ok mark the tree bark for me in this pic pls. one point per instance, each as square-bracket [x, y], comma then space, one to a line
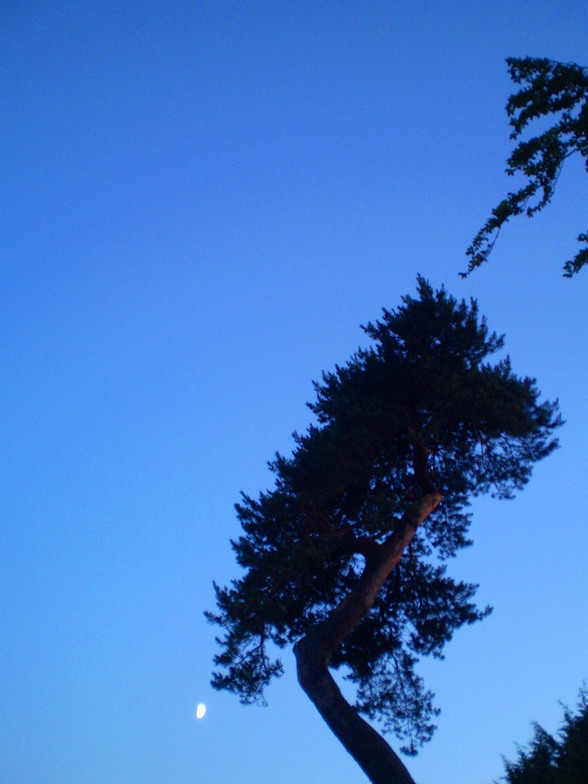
[314, 651]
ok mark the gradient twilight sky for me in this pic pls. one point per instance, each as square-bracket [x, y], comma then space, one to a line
[201, 202]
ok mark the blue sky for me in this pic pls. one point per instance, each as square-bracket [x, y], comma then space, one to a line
[201, 202]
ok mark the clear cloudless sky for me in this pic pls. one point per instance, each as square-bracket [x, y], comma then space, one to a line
[200, 203]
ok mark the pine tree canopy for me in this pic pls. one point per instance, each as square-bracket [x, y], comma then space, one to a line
[549, 90]
[422, 410]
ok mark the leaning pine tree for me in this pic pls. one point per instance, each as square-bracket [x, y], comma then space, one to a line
[344, 557]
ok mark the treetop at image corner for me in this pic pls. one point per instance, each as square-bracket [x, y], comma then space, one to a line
[555, 759]
[549, 89]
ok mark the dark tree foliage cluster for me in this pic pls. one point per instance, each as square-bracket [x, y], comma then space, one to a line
[549, 90]
[561, 759]
[345, 557]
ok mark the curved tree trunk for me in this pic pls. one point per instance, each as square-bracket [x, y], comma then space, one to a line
[313, 653]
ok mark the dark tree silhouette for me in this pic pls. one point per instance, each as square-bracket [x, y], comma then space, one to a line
[549, 759]
[549, 90]
[344, 556]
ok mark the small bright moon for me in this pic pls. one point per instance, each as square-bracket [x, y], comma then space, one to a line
[200, 710]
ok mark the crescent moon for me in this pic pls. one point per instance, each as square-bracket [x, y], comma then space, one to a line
[200, 710]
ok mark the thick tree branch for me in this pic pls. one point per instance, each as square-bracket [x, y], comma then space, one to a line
[314, 651]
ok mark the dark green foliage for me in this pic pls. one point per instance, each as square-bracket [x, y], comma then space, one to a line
[550, 90]
[555, 760]
[421, 408]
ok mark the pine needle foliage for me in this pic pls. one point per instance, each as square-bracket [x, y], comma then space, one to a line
[421, 410]
[553, 90]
